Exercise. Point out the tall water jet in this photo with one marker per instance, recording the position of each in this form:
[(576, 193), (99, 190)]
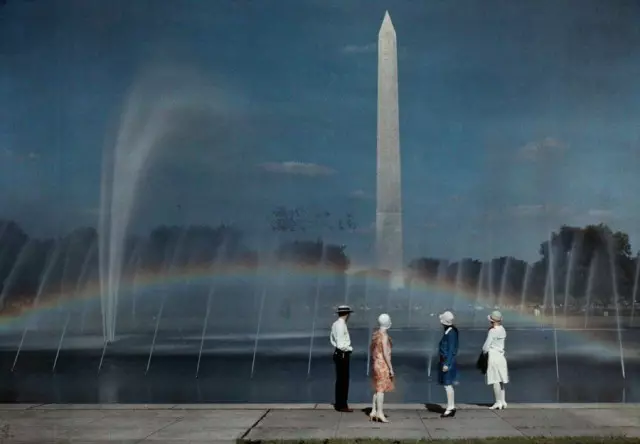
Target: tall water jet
[(205, 324), (410, 302), (503, 281), (43, 281), (81, 279), (569, 279), (616, 297), (525, 287), (459, 281), (389, 242), (134, 265), (490, 284), (316, 300), (479, 290), (149, 113), (552, 288), (64, 330), (590, 278), (168, 269), (263, 297), (17, 266), (441, 279), (634, 292)]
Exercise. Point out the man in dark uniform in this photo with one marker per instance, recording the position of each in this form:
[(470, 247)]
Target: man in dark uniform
[(341, 356)]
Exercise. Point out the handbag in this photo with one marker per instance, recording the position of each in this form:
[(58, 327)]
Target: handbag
[(483, 362)]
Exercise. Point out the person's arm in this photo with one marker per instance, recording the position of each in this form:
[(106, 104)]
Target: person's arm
[(332, 336), (488, 341), (444, 352), (342, 337), (453, 346), (386, 352)]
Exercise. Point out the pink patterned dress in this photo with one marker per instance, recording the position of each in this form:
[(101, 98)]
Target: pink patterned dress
[(380, 376)]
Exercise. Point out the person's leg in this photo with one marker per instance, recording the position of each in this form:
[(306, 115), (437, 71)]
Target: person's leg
[(497, 394), (380, 402), (374, 406), (451, 405), (338, 389), (503, 395), (347, 376)]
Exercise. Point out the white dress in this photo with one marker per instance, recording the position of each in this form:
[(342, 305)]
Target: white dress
[(497, 370)]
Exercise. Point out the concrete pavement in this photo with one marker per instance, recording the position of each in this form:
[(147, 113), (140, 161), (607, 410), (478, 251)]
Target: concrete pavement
[(218, 423)]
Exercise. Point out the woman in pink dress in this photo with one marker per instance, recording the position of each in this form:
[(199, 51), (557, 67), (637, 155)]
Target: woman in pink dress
[(382, 370)]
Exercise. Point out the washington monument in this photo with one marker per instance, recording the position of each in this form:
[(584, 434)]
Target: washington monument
[(389, 248)]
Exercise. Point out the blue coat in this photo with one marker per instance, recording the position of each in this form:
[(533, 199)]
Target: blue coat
[(448, 350)]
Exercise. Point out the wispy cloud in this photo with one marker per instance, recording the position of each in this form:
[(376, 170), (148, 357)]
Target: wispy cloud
[(9, 153), (536, 210), (297, 168), (360, 49), (526, 210), (600, 213), (534, 150), (360, 194)]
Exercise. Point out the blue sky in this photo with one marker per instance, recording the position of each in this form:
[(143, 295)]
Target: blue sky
[(515, 116)]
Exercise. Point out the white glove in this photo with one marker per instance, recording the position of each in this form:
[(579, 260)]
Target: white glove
[(445, 368)]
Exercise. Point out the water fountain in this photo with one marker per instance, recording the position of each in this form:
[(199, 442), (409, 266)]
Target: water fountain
[(43, 282), (17, 266), (634, 292), (318, 285), (525, 286), (479, 291), (168, 269), (147, 117), (616, 297), (590, 278), (551, 288), (503, 282), (81, 281), (568, 280), (263, 297)]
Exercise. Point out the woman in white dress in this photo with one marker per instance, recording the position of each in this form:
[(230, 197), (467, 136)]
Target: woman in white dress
[(497, 371)]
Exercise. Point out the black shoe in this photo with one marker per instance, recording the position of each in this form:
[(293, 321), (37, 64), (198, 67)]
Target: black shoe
[(448, 414)]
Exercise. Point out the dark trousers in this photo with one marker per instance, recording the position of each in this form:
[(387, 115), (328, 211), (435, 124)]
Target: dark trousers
[(341, 360)]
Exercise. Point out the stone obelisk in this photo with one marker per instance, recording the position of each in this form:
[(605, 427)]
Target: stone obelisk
[(389, 247)]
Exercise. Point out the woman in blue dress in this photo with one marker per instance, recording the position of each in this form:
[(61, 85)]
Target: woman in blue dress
[(447, 365)]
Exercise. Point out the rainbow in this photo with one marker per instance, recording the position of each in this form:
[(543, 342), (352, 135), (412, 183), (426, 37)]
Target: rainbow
[(156, 279)]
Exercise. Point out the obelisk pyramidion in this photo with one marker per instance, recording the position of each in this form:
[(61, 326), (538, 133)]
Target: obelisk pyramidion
[(389, 248)]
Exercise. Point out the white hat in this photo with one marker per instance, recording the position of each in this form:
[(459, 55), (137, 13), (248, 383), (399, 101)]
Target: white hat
[(343, 310), (384, 321), (495, 316), (446, 318)]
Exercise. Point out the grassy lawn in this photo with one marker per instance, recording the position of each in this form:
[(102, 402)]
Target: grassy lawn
[(513, 440)]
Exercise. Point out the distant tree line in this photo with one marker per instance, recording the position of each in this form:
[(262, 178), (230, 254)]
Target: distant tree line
[(574, 262), (31, 266)]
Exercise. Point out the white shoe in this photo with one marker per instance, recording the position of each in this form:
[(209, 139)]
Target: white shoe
[(497, 406)]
